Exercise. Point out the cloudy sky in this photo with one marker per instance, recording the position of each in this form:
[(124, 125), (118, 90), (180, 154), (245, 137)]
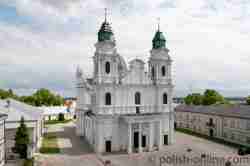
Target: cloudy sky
[(42, 41)]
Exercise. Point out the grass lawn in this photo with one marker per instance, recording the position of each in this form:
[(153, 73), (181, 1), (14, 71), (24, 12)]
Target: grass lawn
[(57, 121), (28, 162), (49, 144)]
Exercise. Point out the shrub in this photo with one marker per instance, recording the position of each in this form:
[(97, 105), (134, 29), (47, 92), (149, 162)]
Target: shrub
[(28, 162), (21, 139), (61, 117), (241, 152)]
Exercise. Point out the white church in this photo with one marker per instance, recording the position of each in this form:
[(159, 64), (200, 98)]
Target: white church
[(123, 109)]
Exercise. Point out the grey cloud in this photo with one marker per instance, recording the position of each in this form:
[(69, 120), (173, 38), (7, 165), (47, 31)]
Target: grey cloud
[(46, 57)]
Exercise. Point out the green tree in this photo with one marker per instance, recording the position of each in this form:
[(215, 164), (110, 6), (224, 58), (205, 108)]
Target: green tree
[(4, 94), (39, 98), (211, 97), (28, 99), (61, 117), (22, 139), (188, 99), (47, 98), (248, 100), (197, 99)]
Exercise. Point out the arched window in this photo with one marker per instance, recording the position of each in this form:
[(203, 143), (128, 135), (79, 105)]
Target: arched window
[(137, 98), (163, 71), (165, 98), (153, 72), (107, 67), (108, 99)]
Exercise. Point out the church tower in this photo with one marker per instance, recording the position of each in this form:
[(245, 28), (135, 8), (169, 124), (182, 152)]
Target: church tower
[(160, 61), (106, 59)]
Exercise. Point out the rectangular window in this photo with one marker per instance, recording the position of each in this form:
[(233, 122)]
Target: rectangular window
[(225, 134), (232, 136), (248, 125), (248, 140), (232, 124), (225, 123)]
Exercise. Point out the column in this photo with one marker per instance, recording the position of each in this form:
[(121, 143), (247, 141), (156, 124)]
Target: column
[(160, 137), (129, 149), (99, 138), (151, 136), (171, 128), (140, 135)]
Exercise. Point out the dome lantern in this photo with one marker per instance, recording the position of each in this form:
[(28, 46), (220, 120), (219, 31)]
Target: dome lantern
[(159, 40), (105, 33)]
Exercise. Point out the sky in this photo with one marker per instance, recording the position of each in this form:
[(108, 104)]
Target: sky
[(43, 41)]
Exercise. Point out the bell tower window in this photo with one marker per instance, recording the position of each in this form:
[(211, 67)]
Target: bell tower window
[(108, 99), (137, 98), (107, 67), (163, 71), (165, 98)]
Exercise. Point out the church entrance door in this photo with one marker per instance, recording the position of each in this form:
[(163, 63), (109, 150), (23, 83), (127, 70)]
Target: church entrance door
[(108, 146), (144, 141), (211, 132), (165, 139), (136, 139)]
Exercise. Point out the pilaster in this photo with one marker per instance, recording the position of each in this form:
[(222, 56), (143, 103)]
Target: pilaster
[(129, 149), (151, 136), (140, 136), (160, 136)]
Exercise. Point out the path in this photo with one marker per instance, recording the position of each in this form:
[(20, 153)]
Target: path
[(74, 150)]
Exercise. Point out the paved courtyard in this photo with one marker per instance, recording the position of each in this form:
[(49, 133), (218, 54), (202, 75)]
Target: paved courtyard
[(75, 151)]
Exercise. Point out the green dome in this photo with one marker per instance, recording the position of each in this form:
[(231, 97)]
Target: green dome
[(159, 40), (105, 33)]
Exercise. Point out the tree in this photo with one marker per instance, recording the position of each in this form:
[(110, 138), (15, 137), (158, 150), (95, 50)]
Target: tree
[(39, 98), (4, 94), (208, 98), (188, 100), (22, 139), (211, 97), (197, 99), (61, 117), (248, 100), (47, 98)]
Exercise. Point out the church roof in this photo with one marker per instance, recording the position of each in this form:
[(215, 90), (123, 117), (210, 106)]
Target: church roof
[(238, 111), (105, 33), (159, 40)]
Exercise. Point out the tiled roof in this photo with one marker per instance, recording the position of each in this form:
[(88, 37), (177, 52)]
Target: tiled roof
[(240, 111)]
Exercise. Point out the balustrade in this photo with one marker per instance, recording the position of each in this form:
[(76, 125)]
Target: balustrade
[(130, 109)]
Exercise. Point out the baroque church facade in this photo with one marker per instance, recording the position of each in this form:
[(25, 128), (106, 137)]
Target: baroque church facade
[(126, 109)]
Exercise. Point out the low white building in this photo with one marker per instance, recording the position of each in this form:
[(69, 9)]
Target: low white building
[(228, 122), (52, 113), (33, 119)]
